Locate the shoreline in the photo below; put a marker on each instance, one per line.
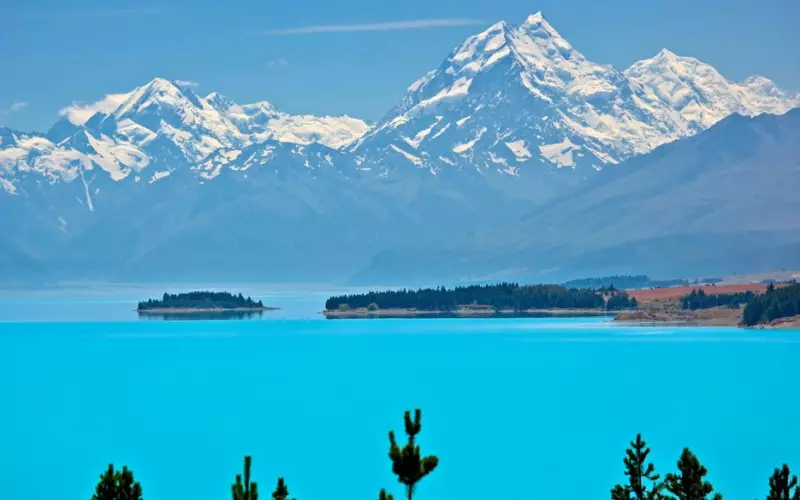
(202, 310)
(715, 316)
(363, 313)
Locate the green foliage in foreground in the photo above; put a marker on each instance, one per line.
(689, 483)
(410, 467)
(639, 472)
(408, 464)
(200, 300)
(244, 489)
(783, 485)
(775, 303)
(117, 485)
(281, 491)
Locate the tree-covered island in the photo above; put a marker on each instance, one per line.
(200, 302)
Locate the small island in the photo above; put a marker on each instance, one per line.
(499, 300)
(200, 303)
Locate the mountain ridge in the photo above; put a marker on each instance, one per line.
(161, 181)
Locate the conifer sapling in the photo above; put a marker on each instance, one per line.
(689, 482)
(638, 470)
(407, 463)
(244, 490)
(783, 485)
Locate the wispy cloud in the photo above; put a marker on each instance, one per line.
(16, 107)
(416, 24)
(78, 112)
(186, 83)
(277, 63)
(133, 12)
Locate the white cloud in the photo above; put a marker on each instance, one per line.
(15, 107)
(277, 63)
(186, 83)
(387, 26)
(79, 113)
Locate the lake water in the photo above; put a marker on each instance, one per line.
(514, 408)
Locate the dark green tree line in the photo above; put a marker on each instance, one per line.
(776, 302)
(410, 467)
(200, 300)
(699, 299)
(501, 296)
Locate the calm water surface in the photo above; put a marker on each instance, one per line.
(513, 407)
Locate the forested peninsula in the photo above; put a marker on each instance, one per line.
(479, 300)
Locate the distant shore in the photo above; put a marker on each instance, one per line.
(464, 312)
(715, 316)
(202, 310)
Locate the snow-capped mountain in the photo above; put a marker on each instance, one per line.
(131, 186)
(517, 96)
(513, 100)
(262, 121)
(702, 95)
(151, 131)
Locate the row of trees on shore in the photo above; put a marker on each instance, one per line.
(699, 299)
(502, 296)
(775, 303)
(411, 466)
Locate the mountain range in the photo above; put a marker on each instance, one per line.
(516, 138)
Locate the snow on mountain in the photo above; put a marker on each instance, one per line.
(514, 101)
(514, 96)
(522, 88)
(161, 126)
(701, 94)
(262, 121)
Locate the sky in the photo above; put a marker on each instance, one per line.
(352, 57)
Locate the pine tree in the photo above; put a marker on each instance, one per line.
(106, 488)
(638, 470)
(281, 491)
(783, 485)
(689, 483)
(117, 485)
(407, 463)
(244, 490)
(385, 496)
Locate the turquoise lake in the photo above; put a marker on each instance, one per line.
(514, 408)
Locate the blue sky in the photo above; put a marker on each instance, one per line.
(54, 52)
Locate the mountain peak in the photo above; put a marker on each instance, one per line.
(666, 54)
(535, 18)
(157, 90)
(537, 23)
(219, 101)
(163, 84)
